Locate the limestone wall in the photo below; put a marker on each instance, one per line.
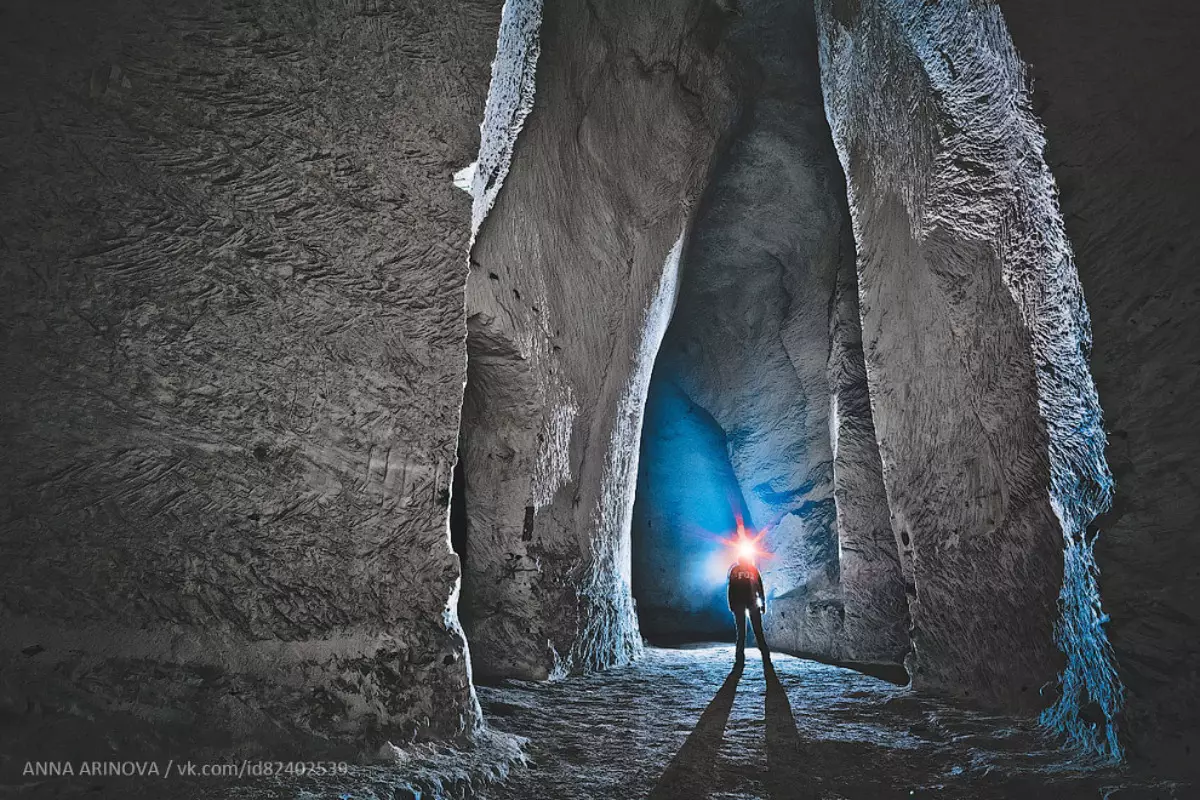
(233, 276)
(976, 339)
(571, 280)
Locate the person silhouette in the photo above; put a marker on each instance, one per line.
(746, 595)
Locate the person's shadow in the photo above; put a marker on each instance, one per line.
(785, 777)
(692, 773)
(693, 770)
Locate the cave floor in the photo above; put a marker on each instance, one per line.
(677, 724)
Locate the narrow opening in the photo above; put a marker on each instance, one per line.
(458, 509)
(737, 423)
(489, 519)
(758, 407)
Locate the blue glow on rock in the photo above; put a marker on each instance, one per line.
(1090, 676)
(687, 499)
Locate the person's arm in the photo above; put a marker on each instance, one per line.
(762, 598)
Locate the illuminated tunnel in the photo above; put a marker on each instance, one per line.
(686, 500)
(758, 403)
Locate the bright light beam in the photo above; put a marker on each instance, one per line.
(746, 545)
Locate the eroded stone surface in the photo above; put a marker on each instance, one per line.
(1107, 83)
(874, 564)
(655, 730)
(232, 290)
(957, 239)
(750, 344)
(630, 99)
(674, 726)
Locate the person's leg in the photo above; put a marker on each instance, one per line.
(756, 621)
(739, 615)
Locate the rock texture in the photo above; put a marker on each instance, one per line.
(233, 270)
(750, 344)
(874, 564)
(675, 726)
(976, 342)
(571, 283)
(233, 277)
(1109, 83)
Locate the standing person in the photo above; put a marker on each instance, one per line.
(746, 594)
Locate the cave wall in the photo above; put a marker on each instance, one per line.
(976, 340)
(750, 344)
(874, 564)
(233, 280)
(572, 281)
(1109, 82)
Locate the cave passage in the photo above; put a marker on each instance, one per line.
(687, 498)
(458, 509)
(758, 407)
(257, 504)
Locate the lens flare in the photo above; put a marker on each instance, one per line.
(746, 544)
(746, 549)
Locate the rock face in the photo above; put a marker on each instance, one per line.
(1122, 149)
(976, 341)
(750, 344)
(233, 276)
(572, 281)
(874, 564)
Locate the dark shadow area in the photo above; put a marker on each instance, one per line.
(892, 673)
(458, 509)
(785, 776)
(688, 638)
(693, 770)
